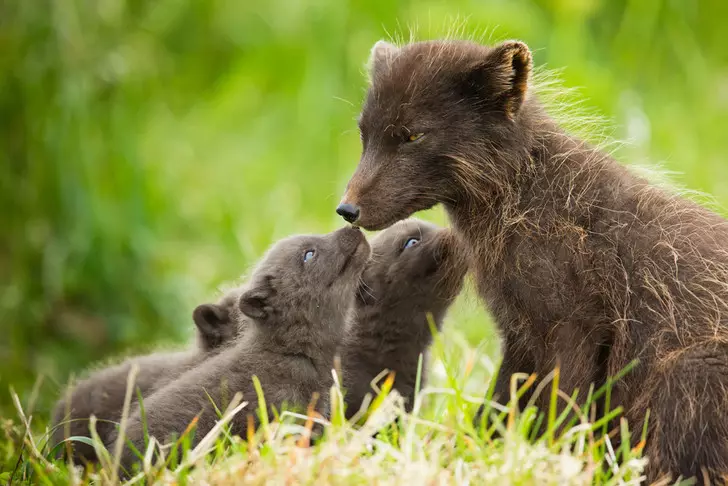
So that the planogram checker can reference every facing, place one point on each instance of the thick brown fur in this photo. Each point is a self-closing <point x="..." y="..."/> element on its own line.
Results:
<point x="582" y="263"/>
<point x="399" y="287"/>
<point x="102" y="393"/>
<point x="297" y="312"/>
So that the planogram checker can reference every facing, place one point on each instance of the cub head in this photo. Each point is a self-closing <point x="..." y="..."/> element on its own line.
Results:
<point x="437" y="115"/>
<point x="415" y="268"/>
<point x="306" y="281"/>
<point x="219" y="324"/>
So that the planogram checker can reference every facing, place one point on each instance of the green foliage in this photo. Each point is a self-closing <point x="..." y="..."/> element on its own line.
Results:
<point x="152" y="150"/>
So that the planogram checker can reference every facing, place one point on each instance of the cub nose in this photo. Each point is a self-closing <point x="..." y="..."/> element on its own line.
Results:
<point x="348" y="211"/>
<point x="349" y="238"/>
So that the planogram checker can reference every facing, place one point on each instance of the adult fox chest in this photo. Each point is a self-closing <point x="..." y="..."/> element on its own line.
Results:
<point x="535" y="280"/>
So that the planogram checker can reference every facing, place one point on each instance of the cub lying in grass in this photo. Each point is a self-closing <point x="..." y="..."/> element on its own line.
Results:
<point x="102" y="393"/>
<point x="297" y="303"/>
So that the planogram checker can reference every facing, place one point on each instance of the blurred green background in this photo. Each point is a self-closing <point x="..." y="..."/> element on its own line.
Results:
<point x="151" y="151"/>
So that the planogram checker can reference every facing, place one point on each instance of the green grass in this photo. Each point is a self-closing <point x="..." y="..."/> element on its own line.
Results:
<point x="436" y="442"/>
<point x="153" y="150"/>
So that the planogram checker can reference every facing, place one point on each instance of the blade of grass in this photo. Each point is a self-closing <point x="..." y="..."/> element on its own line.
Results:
<point x="119" y="445"/>
<point x="552" y="406"/>
<point x="262" y="408"/>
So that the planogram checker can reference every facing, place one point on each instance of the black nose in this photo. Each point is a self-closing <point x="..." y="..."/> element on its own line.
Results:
<point x="348" y="211"/>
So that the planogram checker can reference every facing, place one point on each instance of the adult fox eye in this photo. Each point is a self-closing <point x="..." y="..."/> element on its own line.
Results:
<point x="415" y="136"/>
<point x="308" y="255"/>
<point x="411" y="242"/>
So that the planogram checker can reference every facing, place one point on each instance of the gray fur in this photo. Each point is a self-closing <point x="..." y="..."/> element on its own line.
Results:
<point x="399" y="287"/>
<point x="102" y="393"/>
<point x="297" y="314"/>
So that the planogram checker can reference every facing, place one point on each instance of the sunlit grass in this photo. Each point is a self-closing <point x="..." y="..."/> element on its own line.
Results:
<point x="436" y="442"/>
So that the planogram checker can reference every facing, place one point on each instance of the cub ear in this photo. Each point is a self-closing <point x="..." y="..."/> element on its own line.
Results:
<point x="380" y="56"/>
<point x="254" y="301"/>
<point x="209" y="318"/>
<point x="504" y="74"/>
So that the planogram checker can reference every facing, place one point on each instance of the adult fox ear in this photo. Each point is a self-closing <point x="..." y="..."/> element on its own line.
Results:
<point x="254" y="302"/>
<point x="502" y="77"/>
<point x="380" y="56"/>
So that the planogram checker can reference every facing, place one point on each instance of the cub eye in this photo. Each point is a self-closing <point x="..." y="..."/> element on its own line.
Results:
<point x="415" y="136"/>
<point x="411" y="242"/>
<point x="308" y="255"/>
